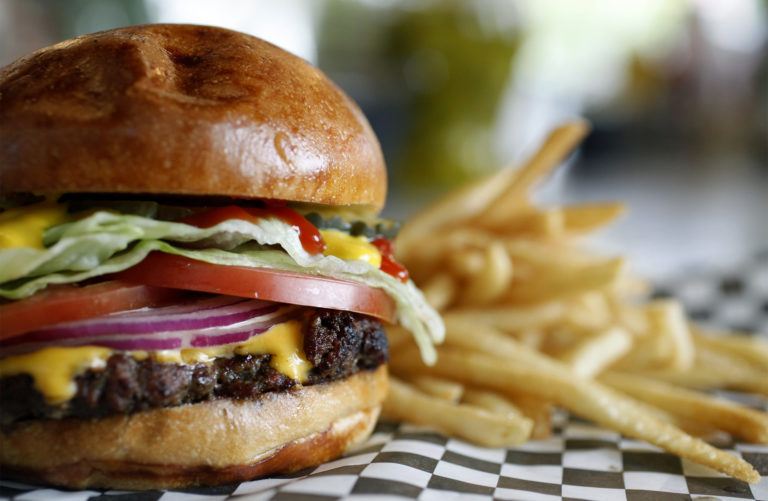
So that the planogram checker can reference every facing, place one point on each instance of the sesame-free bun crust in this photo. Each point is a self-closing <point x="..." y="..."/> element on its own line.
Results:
<point x="183" y="109"/>
<point x="216" y="442"/>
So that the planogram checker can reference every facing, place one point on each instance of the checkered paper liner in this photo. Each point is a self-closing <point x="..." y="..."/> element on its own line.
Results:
<point x="580" y="461"/>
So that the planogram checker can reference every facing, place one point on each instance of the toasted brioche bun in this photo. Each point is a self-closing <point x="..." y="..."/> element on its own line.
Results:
<point x="181" y="109"/>
<point x="216" y="442"/>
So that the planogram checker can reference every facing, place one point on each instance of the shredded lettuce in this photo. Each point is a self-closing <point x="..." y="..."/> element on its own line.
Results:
<point x="107" y="242"/>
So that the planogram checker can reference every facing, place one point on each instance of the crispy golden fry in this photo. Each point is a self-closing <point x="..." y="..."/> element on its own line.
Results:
<point x="544" y="254"/>
<point x="507" y="319"/>
<point x="515" y="289"/>
<point x="553" y="381"/>
<point x="528" y="221"/>
<point x="453" y="210"/>
<point x="737" y="420"/>
<point x="589" y="311"/>
<point x="630" y="316"/>
<point x="425" y="260"/>
<point x="588" y="218"/>
<point x="591" y="356"/>
<point x="537" y="410"/>
<point x="666" y="344"/>
<point x="440" y="291"/>
<point x="450" y="391"/>
<point x="472" y="423"/>
<point x="554" y="150"/>
<point x="713" y="369"/>
<point x="490" y="400"/>
<point x="667" y="319"/>
<point x="467" y="263"/>
<point x="493" y="278"/>
<point x="565" y="283"/>
<point x="752" y="349"/>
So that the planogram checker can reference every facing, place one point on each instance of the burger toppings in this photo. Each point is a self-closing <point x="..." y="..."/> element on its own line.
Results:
<point x="215" y="246"/>
<point x="339" y="344"/>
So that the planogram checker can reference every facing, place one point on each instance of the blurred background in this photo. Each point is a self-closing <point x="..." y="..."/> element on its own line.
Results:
<point x="676" y="90"/>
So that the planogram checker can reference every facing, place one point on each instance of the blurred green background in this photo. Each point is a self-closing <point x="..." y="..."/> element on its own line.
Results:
<point x="676" y="90"/>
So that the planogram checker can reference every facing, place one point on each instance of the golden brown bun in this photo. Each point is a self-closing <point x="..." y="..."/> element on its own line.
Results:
<point x="210" y="443"/>
<point x="183" y="109"/>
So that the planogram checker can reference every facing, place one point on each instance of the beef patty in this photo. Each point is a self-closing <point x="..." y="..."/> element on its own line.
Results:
<point x="338" y="344"/>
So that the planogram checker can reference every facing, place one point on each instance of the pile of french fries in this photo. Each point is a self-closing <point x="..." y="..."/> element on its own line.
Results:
<point x="535" y="321"/>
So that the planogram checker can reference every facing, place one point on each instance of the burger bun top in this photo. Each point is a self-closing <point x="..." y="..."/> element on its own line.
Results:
<point x="183" y="110"/>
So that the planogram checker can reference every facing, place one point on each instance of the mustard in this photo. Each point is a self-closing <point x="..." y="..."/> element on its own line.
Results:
<point x="345" y="246"/>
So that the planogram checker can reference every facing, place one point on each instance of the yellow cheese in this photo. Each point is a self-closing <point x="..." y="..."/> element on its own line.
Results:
<point x="347" y="247"/>
<point x="54" y="369"/>
<point x="24" y="226"/>
<point x="284" y="341"/>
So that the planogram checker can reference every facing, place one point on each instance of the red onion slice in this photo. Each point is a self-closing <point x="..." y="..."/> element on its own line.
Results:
<point x="151" y="329"/>
<point x="141" y="324"/>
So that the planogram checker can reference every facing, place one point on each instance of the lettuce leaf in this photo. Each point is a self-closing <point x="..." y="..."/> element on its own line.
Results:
<point x="107" y="242"/>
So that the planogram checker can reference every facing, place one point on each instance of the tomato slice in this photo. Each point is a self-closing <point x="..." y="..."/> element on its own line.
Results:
<point x="66" y="303"/>
<point x="168" y="270"/>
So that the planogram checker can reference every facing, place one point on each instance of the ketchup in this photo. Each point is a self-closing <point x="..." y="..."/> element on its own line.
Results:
<point x="388" y="263"/>
<point x="309" y="236"/>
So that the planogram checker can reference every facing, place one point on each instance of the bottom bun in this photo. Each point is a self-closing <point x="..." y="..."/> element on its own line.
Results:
<point x="215" y="442"/>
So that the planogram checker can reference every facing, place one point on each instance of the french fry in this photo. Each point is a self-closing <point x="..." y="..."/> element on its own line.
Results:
<point x="515" y="289"/>
<point x="472" y="423"/>
<point x="586" y="398"/>
<point x="546" y="254"/>
<point x="630" y="316"/>
<point x="714" y="369"/>
<point x="737" y="420"/>
<point x="450" y="391"/>
<point x="588" y="218"/>
<point x="554" y="150"/>
<point x="492" y="280"/>
<point x="490" y="400"/>
<point x="519" y="318"/>
<point x="532" y="338"/>
<point x="537" y="410"/>
<point x="589" y="311"/>
<point x="440" y="291"/>
<point x="467" y="263"/>
<point x="752" y="349"/>
<point x="453" y="209"/>
<point x="564" y="283"/>
<point x="590" y="357"/>
<point x="549" y="223"/>
<point x="425" y="260"/>
<point x="675" y="341"/>
<point x="532" y="222"/>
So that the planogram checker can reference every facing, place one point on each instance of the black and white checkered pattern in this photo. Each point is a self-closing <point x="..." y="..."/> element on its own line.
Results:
<point x="579" y="462"/>
<point x="734" y="299"/>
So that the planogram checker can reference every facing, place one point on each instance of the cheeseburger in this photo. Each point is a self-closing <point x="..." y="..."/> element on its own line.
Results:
<point x="194" y="280"/>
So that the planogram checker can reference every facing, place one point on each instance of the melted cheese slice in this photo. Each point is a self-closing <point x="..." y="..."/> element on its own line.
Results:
<point x="54" y="369"/>
<point x="24" y="226"/>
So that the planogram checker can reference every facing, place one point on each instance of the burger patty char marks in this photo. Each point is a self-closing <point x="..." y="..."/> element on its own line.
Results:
<point x="337" y="343"/>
